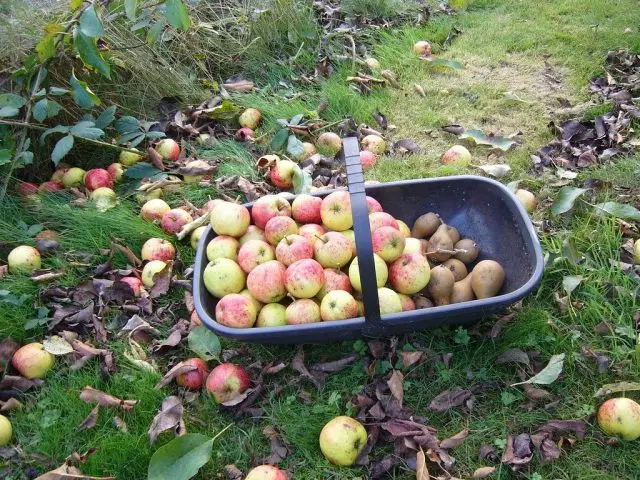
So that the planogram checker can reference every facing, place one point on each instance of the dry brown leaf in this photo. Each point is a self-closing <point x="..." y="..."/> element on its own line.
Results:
<point x="483" y="472"/>
<point x="336" y="365"/>
<point x="168" y="418"/>
<point x="279" y="450"/>
<point x="515" y="355"/>
<point x="91" y="395"/>
<point x="68" y="472"/>
<point x="156" y="158"/>
<point x="456" y="440"/>
<point x="7" y="348"/>
<point x="449" y="399"/>
<point x="91" y="419"/>
<point x="422" y="472"/>
<point x="120" y="424"/>
<point x="176" y="371"/>
<point x="411" y="358"/>
<point x="11" y="404"/>
<point x="396" y="386"/>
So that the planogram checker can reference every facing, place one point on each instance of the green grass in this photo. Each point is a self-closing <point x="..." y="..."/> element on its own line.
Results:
<point x="503" y="47"/>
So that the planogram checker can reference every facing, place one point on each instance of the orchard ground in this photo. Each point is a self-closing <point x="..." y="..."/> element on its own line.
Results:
<point x="543" y="53"/>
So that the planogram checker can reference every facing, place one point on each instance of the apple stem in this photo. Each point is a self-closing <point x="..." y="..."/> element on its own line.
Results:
<point x="320" y="238"/>
<point x="444" y="250"/>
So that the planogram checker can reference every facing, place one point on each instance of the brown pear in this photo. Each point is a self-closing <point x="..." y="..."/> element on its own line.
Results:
<point x="453" y="233"/>
<point x="487" y="279"/>
<point x="471" y="250"/>
<point x="422" y="302"/>
<point x="462" y="291"/>
<point x="441" y="245"/>
<point x="425" y="225"/>
<point x="458" y="268"/>
<point x="441" y="285"/>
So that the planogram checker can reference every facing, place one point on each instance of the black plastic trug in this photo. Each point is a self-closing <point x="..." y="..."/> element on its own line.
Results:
<point x="480" y="208"/>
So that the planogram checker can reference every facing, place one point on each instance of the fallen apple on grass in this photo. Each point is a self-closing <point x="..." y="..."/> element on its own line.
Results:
<point x="457" y="155"/>
<point x="27" y="188"/>
<point x="24" y="259"/>
<point x="266" y="472"/>
<point x="250" y="118"/>
<point x="154" y="209"/>
<point x="243" y="134"/>
<point x="422" y="48"/>
<point x="342" y="439"/>
<point x="104" y="198"/>
<point x="50" y="187"/>
<point x="135" y="283"/>
<point x="32" y="361"/>
<point x="309" y="149"/>
<point x="168" y="149"/>
<point x="129" y="158"/>
<point x="227" y="381"/>
<point x="196" y="165"/>
<point x="58" y="174"/>
<point x="374" y="144"/>
<point x="281" y="173"/>
<point x="329" y="144"/>
<point x="620" y="416"/>
<point x="116" y="171"/>
<point x="73" y="177"/>
<point x="236" y="311"/>
<point x="528" y="199"/>
<point x="96" y="178"/>
<point x="150" y="270"/>
<point x="367" y="159"/>
<point x="158" y="249"/>
<point x="194" y="379"/>
<point x="6" y="432"/>
<point x="174" y="220"/>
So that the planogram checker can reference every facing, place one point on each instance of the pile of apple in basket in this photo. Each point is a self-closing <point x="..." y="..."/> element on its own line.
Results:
<point x="295" y="263"/>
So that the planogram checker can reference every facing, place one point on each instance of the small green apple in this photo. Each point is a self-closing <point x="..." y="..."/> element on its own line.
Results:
<point x="342" y="440"/>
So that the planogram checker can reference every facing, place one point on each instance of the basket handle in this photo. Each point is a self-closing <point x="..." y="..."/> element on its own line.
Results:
<point x="373" y="326"/>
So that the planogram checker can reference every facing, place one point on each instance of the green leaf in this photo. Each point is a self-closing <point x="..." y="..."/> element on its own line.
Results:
<point x="296" y="119"/>
<point x="130" y="7"/>
<point x="156" y="30"/>
<point x="34" y="229"/>
<point x="301" y="181"/>
<point x="8" y="112"/>
<point x="82" y="94"/>
<point x="107" y="116"/>
<point x="90" y="24"/>
<point x="75" y="4"/>
<point x="279" y="139"/>
<point x="89" y="54"/>
<point x="141" y="170"/>
<point x="548" y="374"/>
<point x="26" y="157"/>
<point x="128" y="137"/>
<point x="177" y="14"/>
<point x="44" y="109"/>
<point x="204" y="343"/>
<point x="5" y="156"/>
<point x="61" y="149"/>
<point x="571" y="282"/>
<point x="86" y="129"/>
<point x="619" y="387"/>
<point x="127" y="124"/>
<point x="294" y="146"/>
<point x="46" y="47"/>
<point x="12" y="100"/>
<point x="618" y="210"/>
<point x="513" y="186"/>
<point x="56" y="129"/>
<point x="57" y="91"/>
<point x="481" y="138"/>
<point x="227" y="110"/>
<point x="567" y="196"/>
<point x="155" y="135"/>
<point x="137" y="140"/>
<point x="181" y="458"/>
<point x="442" y="62"/>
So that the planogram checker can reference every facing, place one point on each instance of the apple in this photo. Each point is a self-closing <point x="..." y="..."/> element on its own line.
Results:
<point x="528" y="199"/>
<point x="342" y="440"/>
<point x="250" y="118"/>
<point x="407" y="302"/>
<point x="304" y="278"/>
<point x="636" y="251"/>
<point x="256" y="304"/>
<point x="382" y="272"/>
<point x="243" y="134"/>
<point x="150" y="270"/>
<point x="223" y="246"/>
<point x="266" y="472"/>
<point x="73" y="177"/>
<point x="194" y="379"/>
<point x="104" y="198"/>
<point x="207" y="207"/>
<point x="142" y="198"/>
<point x="382" y="219"/>
<point x="32" y="361"/>
<point x="252" y="233"/>
<point x="373" y="205"/>
<point x="158" y="249"/>
<point x="311" y="231"/>
<point x="24" y="259"/>
<point x="96" y="178"/>
<point x="422" y="48"/>
<point x="412" y="245"/>
<point x="254" y="253"/>
<point x="404" y="228"/>
<point x="230" y="219"/>
<point x="266" y="282"/>
<point x="223" y="276"/>
<point x="27" y="188"/>
<point x="367" y="159"/>
<point x="338" y="305"/>
<point x="168" y="149"/>
<point x="281" y="173"/>
<point x="620" y="416"/>
<point x="272" y="315"/>
<point x="116" y="170"/>
<point x="388" y="243"/>
<point x="196" y="165"/>
<point x="410" y="273"/>
<point x="205" y="139"/>
<point x="302" y="311"/>
<point x="236" y="311"/>
<point x="267" y="207"/>
<point x="174" y="220"/>
<point x="372" y="63"/>
<point x="50" y="186"/>
<point x="196" y="235"/>
<point x="154" y="209"/>
<point x="308" y="150"/>
<point x="335" y="211"/>
<point x="389" y="301"/>
<point x="279" y="227"/>
<point x="334" y="280"/>
<point x="135" y="283"/>
<point x="306" y="209"/>
<point x="329" y="144"/>
<point x="58" y="174"/>
<point x="351" y="236"/>
<point x="457" y="155"/>
<point x="332" y="250"/>
<point x="129" y="158"/>
<point x="6" y="432"/>
<point x="293" y="248"/>
<point x="374" y="144"/>
<point x="227" y="381"/>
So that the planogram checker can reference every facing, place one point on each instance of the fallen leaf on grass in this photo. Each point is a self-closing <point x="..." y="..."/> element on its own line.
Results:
<point x="492" y="140"/>
<point x="411" y="358"/>
<point x="14" y="382"/>
<point x="610" y="388"/>
<point x="161" y="281"/>
<point x="7" y="348"/>
<point x="500" y="324"/>
<point x="419" y="90"/>
<point x="444" y="63"/>
<point x="422" y="472"/>
<point x="168" y="418"/>
<point x="336" y="365"/>
<point x="120" y="424"/>
<point x="618" y="210"/>
<point x="577" y="427"/>
<point x="405" y="146"/>
<point x="137" y="324"/>
<point x="456" y="440"/>
<point x="11" y="404"/>
<point x="567" y="196"/>
<point x="536" y="394"/>
<point x="91" y="419"/>
<point x="498" y="170"/>
<point x="91" y="395"/>
<point x="449" y="399"/>
<point x="548" y="449"/>
<point x="56" y="345"/>
<point x="602" y="361"/>
<point x="571" y="282"/>
<point x="395" y="383"/>
<point x="155" y="158"/>
<point x="233" y="473"/>
<point x="382" y="467"/>
<point x="176" y="371"/>
<point x="515" y="355"/>
<point x="181" y="458"/>
<point x="279" y="450"/>
<point x="548" y="374"/>
<point x="380" y="119"/>
<point x="67" y="472"/>
<point x="298" y="365"/>
<point x="518" y="451"/>
<point x="483" y="472"/>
